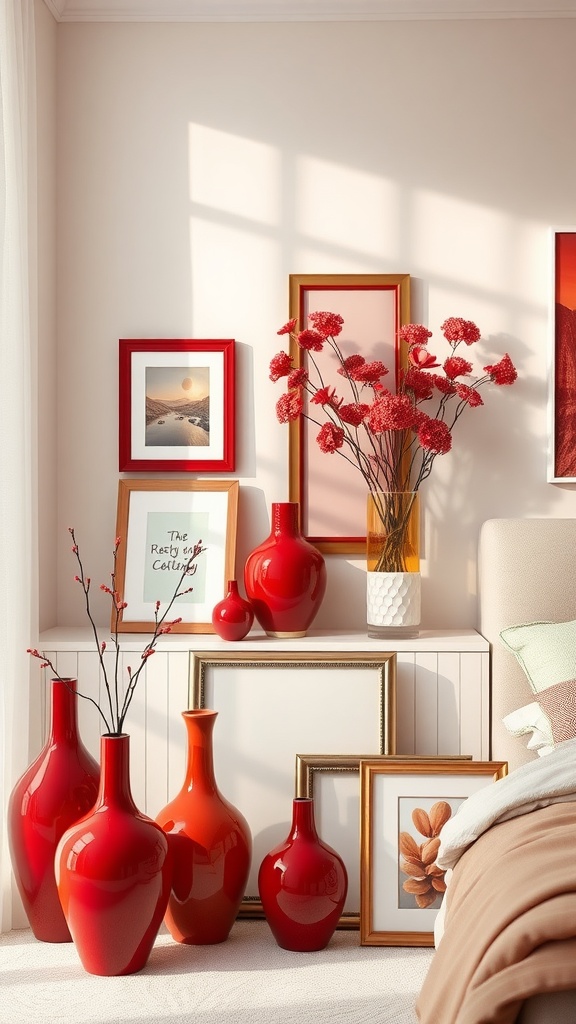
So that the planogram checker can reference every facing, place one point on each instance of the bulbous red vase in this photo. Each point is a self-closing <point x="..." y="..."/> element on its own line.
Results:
<point x="57" y="789"/>
<point x="285" y="576"/>
<point x="302" y="884"/>
<point x="233" y="617"/>
<point x="113" y="873"/>
<point x="211" y="845"/>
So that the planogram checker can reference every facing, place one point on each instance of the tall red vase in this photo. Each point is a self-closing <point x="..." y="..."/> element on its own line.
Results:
<point x="57" y="789"/>
<point x="211" y="845"/>
<point x="285" y="576"/>
<point x="302" y="884"/>
<point x="113" y="873"/>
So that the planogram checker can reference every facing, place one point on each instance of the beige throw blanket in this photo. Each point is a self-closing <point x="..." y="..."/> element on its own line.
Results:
<point x="510" y="928"/>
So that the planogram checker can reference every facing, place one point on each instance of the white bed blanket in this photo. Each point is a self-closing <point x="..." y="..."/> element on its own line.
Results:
<point x="550" y="779"/>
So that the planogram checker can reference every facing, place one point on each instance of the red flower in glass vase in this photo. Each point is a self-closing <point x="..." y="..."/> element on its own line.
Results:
<point x="391" y="437"/>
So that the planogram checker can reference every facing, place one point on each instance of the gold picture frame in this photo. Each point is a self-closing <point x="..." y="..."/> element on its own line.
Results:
<point x="255" y="747"/>
<point x="158" y="522"/>
<point x="389" y="793"/>
<point x="374" y="307"/>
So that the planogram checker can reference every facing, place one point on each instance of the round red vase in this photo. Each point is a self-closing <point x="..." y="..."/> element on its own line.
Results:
<point x="57" y="789"/>
<point x="113" y="873"/>
<point x="302" y="884"/>
<point x="211" y="845"/>
<point x="285" y="576"/>
<point x="233" y="617"/>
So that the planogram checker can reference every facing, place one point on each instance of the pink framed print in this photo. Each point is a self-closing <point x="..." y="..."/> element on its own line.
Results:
<point x="331" y="493"/>
<point x="562" y="378"/>
<point x="176" y="405"/>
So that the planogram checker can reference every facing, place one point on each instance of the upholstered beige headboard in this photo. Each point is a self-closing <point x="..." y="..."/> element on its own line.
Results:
<point x="527" y="573"/>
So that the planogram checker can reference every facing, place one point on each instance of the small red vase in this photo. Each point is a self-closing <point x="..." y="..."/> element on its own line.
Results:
<point x="302" y="884"/>
<point x="211" y="845"/>
<point x="113" y="873"/>
<point x="57" y="789"/>
<point x="233" y="617"/>
<point x="285" y="576"/>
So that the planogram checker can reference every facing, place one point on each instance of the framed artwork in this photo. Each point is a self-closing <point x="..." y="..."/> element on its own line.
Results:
<point x="333" y="780"/>
<point x="333" y="498"/>
<point x="176" y="406"/>
<point x="562" y="375"/>
<point x="159" y="522"/>
<point x="255" y="746"/>
<point x="403" y="808"/>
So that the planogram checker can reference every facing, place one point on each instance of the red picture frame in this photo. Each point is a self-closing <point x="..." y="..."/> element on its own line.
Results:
<point x="562" y="381"/>
<point x="330" y="492"/>
<point x="176" y="405"/>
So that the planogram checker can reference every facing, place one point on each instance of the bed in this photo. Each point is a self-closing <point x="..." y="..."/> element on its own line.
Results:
<point x="506" y="933"/>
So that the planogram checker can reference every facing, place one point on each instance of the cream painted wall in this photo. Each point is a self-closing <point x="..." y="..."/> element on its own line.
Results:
<point x="199" y="165"/>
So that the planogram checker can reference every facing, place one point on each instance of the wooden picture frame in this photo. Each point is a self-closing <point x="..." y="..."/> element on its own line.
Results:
<point x="340" y="701"/>
<point x="158" y="522"/>
<point x="562" y="358"/>
<point x="176" y="405"/>
<point x="332" y="493"/>
<point x="390" y="792"/>
<point x="333" y="781"/>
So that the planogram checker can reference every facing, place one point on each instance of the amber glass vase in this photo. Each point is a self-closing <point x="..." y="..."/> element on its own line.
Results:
<point x="393" y="563"/>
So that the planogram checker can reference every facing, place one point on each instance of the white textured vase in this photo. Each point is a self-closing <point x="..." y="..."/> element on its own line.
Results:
<point x="393" y="604"/>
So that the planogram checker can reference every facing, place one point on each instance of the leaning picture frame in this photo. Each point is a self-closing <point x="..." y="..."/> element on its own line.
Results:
<point x="562" y="358"/>
<point x="255" y="746"/>
<point x="158" y="523"/>
<point x="176" y="405"/>
<point x="400" y="803"/>
<point x="373" y="307"/>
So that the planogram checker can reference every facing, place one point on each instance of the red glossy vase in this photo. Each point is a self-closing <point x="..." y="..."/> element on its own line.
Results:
<point x="113" y="873"/>
<point x="211" y="845"/>
<point x="285" y="576"/>
<point x="233" y="617"/>
<point x="302" y="884"/>
<point x="57" y="789"/>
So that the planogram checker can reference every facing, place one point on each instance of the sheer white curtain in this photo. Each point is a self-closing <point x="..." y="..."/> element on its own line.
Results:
<point x="17" y="374"/>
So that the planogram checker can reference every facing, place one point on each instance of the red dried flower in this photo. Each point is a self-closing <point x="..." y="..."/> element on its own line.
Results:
<point x="350" y="364"/>
<point x="455" y="366"/>
<point x="312" y="341"/>
<point x="368" y="373"/>
<point x="456" y="329"/>
<point x="443" y="384"/>
<point x="324" y="396"/>
<point x="503" y="372"/>
<point x="288" y="328"/>
<point x="280" y="366"/>
<point x="435" y="436"/>
<point x="297" y="378"/>
<point x="353" y="414"/>
<point x="420" y="383"/>
<point x="329" y="438"/>
<point x="391" y="412"/>
<point x="327" y="324"/>
<point x="414" y="334"/>
<point x="422" y="358"/>
<point x="469" y="395"/>
<point x="289" y="406"/>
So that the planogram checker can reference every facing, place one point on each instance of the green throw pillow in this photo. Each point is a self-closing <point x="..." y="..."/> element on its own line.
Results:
<point x="545" y="650"/>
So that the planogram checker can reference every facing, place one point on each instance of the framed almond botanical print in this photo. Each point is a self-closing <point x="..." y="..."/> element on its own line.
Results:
<point x="404" y="806"/>
<point x="176" y="405"/>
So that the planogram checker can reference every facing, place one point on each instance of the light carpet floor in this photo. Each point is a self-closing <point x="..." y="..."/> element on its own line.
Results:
<point x="246" y="980"/>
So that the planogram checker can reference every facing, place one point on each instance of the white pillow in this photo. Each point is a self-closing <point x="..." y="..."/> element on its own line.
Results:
<point x="531" y="719"/>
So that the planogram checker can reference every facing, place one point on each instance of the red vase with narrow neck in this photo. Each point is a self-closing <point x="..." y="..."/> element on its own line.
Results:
<point x="57" y="789"/>
<point x="211" y="845"/>
<point x="285" y="576"/>
<point x="232" y="617"/>
<point x="113" y="873"/>
<point x="303" y="884"/>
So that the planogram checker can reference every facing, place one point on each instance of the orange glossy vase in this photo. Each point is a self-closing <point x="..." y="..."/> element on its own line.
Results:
<point x="211" y="845"/>
<point x="58" y="788"/>
<point x="113" y="873"/>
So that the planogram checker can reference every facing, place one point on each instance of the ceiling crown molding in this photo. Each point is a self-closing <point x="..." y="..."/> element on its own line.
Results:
<point x="305" y="10"/>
